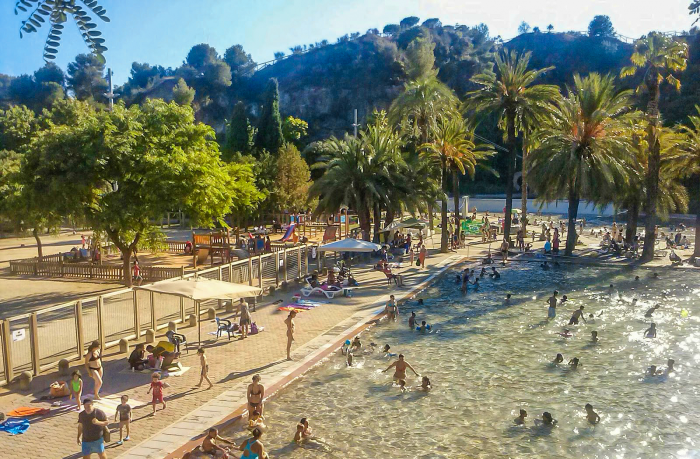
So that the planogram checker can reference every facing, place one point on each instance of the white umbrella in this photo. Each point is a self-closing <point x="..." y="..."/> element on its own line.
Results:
<point x="350" y="245"/>
<point x="202" y="289"/>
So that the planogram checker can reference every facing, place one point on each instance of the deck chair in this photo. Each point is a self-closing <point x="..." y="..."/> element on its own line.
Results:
<point x="177" y="339"/>
<point x="225" y="326"/>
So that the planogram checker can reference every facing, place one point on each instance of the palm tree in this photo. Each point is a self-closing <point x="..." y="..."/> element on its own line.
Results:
<point x="672" y="194"/>
<point x="510" y="93"/>
<point x="685" y="161"/>
<point x="452" y="149"/>
<point x="585" y="150"/>
<point x="657" y="56"/>
<point x="359" y="172"/>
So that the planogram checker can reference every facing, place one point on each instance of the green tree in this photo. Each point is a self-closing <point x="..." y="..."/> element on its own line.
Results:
<point x="294" y="129"/>
<point x="183" y="94"/>
<point x="269" y="136"/>
<point x="201" y="55"/>
<point x="217" y="75"/>
<point x="685" y="162"/>
<point x="657" y="56"/>
<point x="524" y="27"/>
<point x="50" y="73"/>
<point x="453" y="150"/>
<point x="585" y="151"/>
<point x="122" y="170"/>
<point x="391" y="29"/>
<point x="241" y="63"/>
<point x="85" y="77"/>
<point x="511" y="94"/>
<point x="239" y="133"/>
<point x="407" y="23"/>
<point x="420" y="59"/>
<point x="601" y="26"/>
<point x="293" y="180"/>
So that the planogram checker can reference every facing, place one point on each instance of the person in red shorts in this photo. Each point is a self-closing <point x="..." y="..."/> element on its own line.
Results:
<point x="157" y="387"/>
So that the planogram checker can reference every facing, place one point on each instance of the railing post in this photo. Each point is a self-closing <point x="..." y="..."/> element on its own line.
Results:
<point x="250" y="271"/>
<point x="137" y="316"/>
<point x="6" y="339"/>
<point x="34" y="340"/>
<point x="318" y="258"/>
<point x="100" y="323"/>
<point x="80" y="336"/>
<point x="182" y="271"/>
<point x="260" y="272"/>
<point x="277" y="268"/>
<point x="153" y="312"/>
<point x="284" y="265"/>
<point x="306" y="256"/>
<point x="299" y="273"/>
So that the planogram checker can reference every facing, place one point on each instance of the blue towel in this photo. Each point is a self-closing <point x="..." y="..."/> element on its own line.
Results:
<point x="14" y="426"/>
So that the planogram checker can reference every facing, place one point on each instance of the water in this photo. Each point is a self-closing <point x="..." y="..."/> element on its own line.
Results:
<point x="487" y="360"/>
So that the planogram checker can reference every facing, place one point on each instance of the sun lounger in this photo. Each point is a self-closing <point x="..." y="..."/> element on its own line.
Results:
<point x="328" y="292"/>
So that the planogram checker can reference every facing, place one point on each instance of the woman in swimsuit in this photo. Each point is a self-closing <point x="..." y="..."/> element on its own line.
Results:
<point x="252" y="448"/>
<point x="256" y="395"/>
<point x="289" y="321"/>
<point x="93" y="363"/>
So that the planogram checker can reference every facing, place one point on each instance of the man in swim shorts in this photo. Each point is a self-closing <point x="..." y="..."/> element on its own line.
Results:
<point x="578" y="314"/>
<point x="400" y="368"/>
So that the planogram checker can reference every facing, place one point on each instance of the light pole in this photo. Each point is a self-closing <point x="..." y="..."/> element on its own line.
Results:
<point x="110" y="95"/>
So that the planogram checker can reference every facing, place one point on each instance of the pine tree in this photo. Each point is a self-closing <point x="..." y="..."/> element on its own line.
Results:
<point x="270" y="126"/>
<point x="239" y="132"/>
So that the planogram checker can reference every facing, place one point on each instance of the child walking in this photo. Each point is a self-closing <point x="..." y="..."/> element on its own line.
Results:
<point x="157" y="387"/>
<point x="205" y="368"/>
<point x="76" y="387"/>
<point x="124" y="412"/>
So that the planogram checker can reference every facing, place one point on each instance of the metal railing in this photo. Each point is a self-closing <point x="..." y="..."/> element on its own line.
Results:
<point x="37" y="341"/>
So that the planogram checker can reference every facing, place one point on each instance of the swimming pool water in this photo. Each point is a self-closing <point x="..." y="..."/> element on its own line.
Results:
<point x="486" y="360"/>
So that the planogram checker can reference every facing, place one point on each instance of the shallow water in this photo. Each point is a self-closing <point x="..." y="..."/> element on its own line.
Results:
<point x="487" y="360"/>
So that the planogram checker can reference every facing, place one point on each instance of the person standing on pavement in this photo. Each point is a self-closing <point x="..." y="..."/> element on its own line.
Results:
<point x="289" y="321"/>
<point x="422" y="255"/>
<point x="245" y="319"/>
<point x="93" y="363"/>
<point x="91" y="424"/>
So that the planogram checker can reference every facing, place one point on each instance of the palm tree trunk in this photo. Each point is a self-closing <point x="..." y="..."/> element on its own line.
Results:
<point x="39" y="248"/>
<point x="430" y="215"/>
<point x="443" y="239"/>
<point x="632" y="218"/>
<point x="571" y="230"/>
<point x="377" y="222"/>
<point x="456" y="199"/>
<point x="652" y="178"/>
<point x="696" y="250"/>
<point x="523" y="210"/>
<point x="510" y="117"/>
<point x="363" y="217"/>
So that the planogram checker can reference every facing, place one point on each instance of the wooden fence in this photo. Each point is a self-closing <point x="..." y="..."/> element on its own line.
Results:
<point x="35" y="342"/>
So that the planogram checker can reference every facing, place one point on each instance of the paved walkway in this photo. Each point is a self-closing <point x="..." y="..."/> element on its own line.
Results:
<point x="232" y="364"/>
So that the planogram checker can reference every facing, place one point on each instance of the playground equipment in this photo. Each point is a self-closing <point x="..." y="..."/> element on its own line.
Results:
<point x="209" y="246"/>
<point x="289" y="235"/>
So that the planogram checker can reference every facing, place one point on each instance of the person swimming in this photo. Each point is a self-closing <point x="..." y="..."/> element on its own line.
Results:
<point x="547" y="420"/>
<point x="412" y="320"/>
<point x="495" y="274"/>
<point x="566" y="333"/>
<point x="425" y="383"/>
<point x="423" y="327"/>
<point x="651" y="311"/>
<point x="303" y="431"/>
<point x="558" y="359"/>
<point x="346" y="347"/>
<point x="387" y="351"/>
<point x="483" y="272"/>
<point x="400" y="367"/>
<point x="591" y="415"/>
<point x="420" y="301"/>
<point x="520" y="420"/>
<point x="576" y="316"/>
<point x="669" y="368"/>
<point x="651" y="331"/>
<point x="652" y="371"/>
<point x="636" y="278"/>
<point x="507" y="300"/>
<point x="594" y="336"/>
<point x="256" y="420"/>
<point x="574" y="363"/>
<point x="356" y="344"/>
<point x="544" y="265"/>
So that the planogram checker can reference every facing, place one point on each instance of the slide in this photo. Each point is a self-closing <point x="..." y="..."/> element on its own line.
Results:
<point x="290" y="232"/>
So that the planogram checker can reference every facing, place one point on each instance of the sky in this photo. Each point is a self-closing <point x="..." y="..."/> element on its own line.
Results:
<point x="162" y="31"/>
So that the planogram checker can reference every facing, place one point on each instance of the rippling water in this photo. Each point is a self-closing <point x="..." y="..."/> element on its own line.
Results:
<point x="487" y="360"/>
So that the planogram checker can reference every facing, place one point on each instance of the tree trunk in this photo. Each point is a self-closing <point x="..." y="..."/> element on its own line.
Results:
<point x="444" y="238"/>
<point x="126" y="266"/>
<point x="632" y="217"/>
<point x="523" y="210"/>
<point x="39" y="248"/>
<point x="377" y="210"/>
<point x="571" y="230"/>
<point x="430" y="216"/>
<point x="652" y="178"/>
<point x="389" y="217"/>
<point x="510" y="117"/>
<point x="456" y="199"/>
<point x="363" y="217"/>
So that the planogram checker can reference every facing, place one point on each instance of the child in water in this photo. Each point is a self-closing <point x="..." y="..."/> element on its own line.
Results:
<point x="574" y="363"/>
<point x="256" y="420"/>
<point x="558" y="359"/>
<point x="594" y="336"/>
<point x="547" y="420"/>
<point x="387" y="351"/>
<point x="591" y="415"/>
<point x="425" y="383"/>
<point x="520" y="420"/>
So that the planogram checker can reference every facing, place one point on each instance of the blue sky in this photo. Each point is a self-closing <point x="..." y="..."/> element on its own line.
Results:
<point x="163" y="31"/>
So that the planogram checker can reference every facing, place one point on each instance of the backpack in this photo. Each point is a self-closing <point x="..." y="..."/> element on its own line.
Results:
<point x="253" y="329"/>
